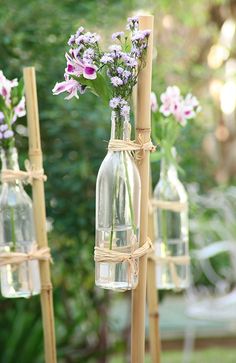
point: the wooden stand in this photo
(152, 296)
(143, 128)
(35, 155)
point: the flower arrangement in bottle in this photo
(16, 212)
(170, 198)
(111, 75)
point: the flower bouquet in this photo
(170, 198)
(16, 213)
(111, 75)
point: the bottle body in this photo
(171, 230)
(118, 191)
(17, 235)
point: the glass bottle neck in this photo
(168, 170)
(9, 159)
(120, 126)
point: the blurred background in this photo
(194, 48)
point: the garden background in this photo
(73, 134)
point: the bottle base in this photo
(116, 286)
(19, 294)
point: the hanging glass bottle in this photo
(118, 211)
(17, 234)
(171, 228)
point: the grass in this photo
(213, 355)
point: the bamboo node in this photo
(27, 177)
(46, 287)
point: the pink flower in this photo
(169, 100)
(77, 67)
(70, 86)
(19, 110)
(6, 86)
(154, 105)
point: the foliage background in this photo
(35, 33)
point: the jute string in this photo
(172, 262)
(129, 145)
(11, 258)
(168, 205)
(27, 176)
(117, 255)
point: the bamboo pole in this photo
(143, 128)
(152, 295)
(35, 155)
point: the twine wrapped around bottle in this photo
(9, 175)
(119, 255)
(139, 147)
(172, 262)
(174, 206)
(13, 258)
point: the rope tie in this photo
(11, 258)
(139, 147)
(172, 262)
(174, 206)
(27, 177)
(102, 254)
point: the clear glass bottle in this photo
(118, 191)
(171, 227)
(17, 234)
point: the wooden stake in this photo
(143, 125)
(35, 155)
(152, 295)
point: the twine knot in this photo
(27, 177)
(13, 258)
(172, 262)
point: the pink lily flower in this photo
(69, 85)
(19, 110)
(169, 100)
(6, 86)
(77, 67)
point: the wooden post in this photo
(152, 296)
(143, 128)
(35, 155)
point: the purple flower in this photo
(88, 55)
(125, 110)
(79, 31)
(8, 134)
(71, 40)
(120, 70)
(130, 61)
(117, 35)
(116, 81)
(154, 105)
(91, 38)
(115, 102)
(5, 133)
(106, 58)
(133, 23)
(115, 48)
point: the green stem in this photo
(129, 193)
(113, 208)
(164, 226)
